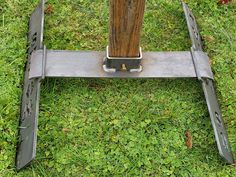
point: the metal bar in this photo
(216, 121)
(26, 148)
(89, 65)
(208, 88)
(193, 28)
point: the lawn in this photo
(102, 127)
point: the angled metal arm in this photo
(209, 90)
(26, 148)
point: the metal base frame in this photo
(48, 63)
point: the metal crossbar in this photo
(89, 65)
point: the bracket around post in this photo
(131, 64)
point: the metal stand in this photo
(49, 63)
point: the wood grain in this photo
(126, 19)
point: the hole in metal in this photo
(218, 118)
(191, 16)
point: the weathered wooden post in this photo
(126, 19)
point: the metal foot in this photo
(26, 149)
(209, 90)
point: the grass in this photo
(119, 127)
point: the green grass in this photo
(119, 127)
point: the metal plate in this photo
(216, 121)
(26, 149)
(201, 64)
(208, 87)
(89, 65)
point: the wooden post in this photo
(126, 19)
